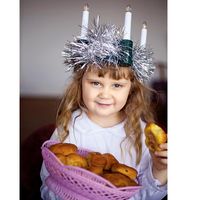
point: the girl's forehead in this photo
(112, 73)
(96, 75)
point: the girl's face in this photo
(104, 97)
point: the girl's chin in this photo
(101, 112)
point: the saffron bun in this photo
(125, 170)
(110, 160)
(98, 160)
(63, 148)
(90, 155)
(119, 180)
(105, 160)
(74, 159)
(155, 136)
(61, 157)
(96, 170)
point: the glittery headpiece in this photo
(104, 44)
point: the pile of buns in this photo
(104, 165)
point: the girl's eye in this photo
(116, 85)
(95, 83)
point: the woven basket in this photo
(75, 183)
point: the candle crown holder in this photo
(105, 45)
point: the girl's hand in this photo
(159, 159)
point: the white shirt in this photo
(84, 133)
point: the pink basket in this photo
(75, 183)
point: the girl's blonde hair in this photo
(136, 108)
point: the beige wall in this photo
(46, 25)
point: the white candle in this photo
(85, 19)
(127, 23)
(143, 35)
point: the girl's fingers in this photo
(163, 161)
(161, 154)
(163, 146)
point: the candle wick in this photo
(145, 24)
(128, 8)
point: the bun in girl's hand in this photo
(155, 136)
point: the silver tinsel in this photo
(143, 62)
(103, 46)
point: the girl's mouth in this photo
(104, 104)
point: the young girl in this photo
(105, 109)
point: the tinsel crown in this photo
(105, 45)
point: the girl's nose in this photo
(105, 93)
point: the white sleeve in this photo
(47, 194)
(152, 189)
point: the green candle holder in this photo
(127, 46)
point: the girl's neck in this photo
(107, 122)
